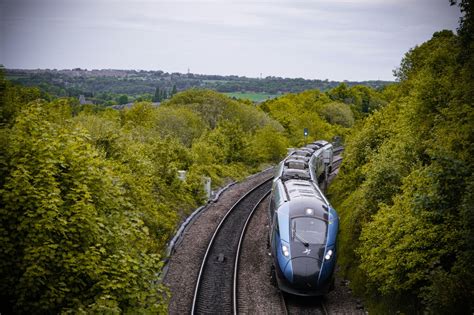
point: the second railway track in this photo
(215, 289)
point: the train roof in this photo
(296, 168)
(302, 188)
(296, 163)
(313, 146)
(321, 143)
(299, 158)
(302, 152)
(293, 173)
(304, 199)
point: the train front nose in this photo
(305, 272)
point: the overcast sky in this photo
(312, 39)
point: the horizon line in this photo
(182, 73)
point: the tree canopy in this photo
(405, 189)
(90, 197)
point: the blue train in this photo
(303, 225)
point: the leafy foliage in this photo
(338, 113)
(405, 184)
(73, 237)
(90, 197)
(225, 134)
(324, 114)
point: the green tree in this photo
(407, 175)
(341, 93)
(268, 145)
(141, 114)
(180, 123)
(174, 90)
(122, 99)
(13, 99)
(338, 113)
(73, 241)
(214, 107)
(304, 110)
(157, 96)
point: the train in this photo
(303, 224)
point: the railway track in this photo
(297, 305)
(338, 150)
(216, 286)
(336, 162)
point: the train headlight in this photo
(328, 254)
(285, 250)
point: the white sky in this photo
(312, 39)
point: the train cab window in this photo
(309, 230)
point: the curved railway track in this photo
(338, 150)
(336, 162)
(237, 256)
(216, 286)
(216, 289)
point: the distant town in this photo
(115, 87)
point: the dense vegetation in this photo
(252, 96)
(89, 199)
(90, 196)
(325, 115)
(405, 189)
(106, 87)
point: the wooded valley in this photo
(90, 195)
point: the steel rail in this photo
(211, 242)
(285, 304)
(336, 163)
(338, 150)
(237, 254)
(325, 310)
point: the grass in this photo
(254, 97)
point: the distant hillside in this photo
(134, 83)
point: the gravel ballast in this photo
(185, 262)
(256, 295)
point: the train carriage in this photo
(303, 227)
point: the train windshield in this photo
(309, 230)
